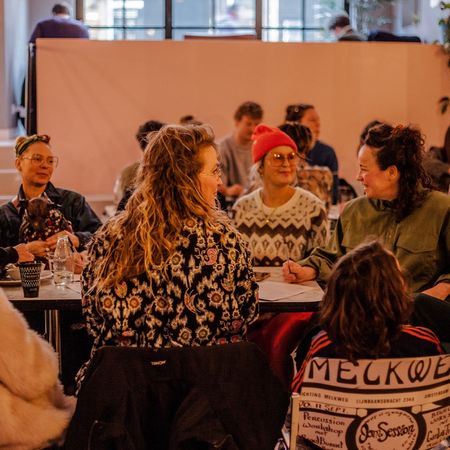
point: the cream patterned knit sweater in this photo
(289, 231)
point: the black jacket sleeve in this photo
(8, 255)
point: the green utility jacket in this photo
(421, 241)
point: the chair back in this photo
(401, 403)
(221, 396)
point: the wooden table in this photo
(53, 299)
(308, 301)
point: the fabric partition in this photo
(93, 95)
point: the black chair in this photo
(221, 397)
(385, 36)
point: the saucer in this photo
(45, 275)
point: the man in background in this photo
(340, 26)
(124, 185)
(235, 149)
(60, 25)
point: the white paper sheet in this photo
(275, 290)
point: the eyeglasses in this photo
(277, 159)
(38, 160)
(217, 172)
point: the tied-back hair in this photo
(23, 142)
(167, 195)
(145, 129)
(366, 302)
(295, 113)
(402, 147)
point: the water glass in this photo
(62, 270)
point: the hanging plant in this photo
(364, 15)
(444, 102)
(445, 25)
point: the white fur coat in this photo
(33, 409)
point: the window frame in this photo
(169, 28)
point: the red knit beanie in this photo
(266, 138)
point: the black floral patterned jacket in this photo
(204, 294)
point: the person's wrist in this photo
(312, 272)
(75, 240)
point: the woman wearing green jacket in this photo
(399, 208)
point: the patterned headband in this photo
(22, 143)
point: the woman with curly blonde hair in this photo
(170, 270)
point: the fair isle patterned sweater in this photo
(289, 231)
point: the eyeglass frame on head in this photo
(37, 160)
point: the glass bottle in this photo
(63, 263)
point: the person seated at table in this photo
(279, 221)
(321, 154)
(34, 410)
(399, 208)
(235, 150)
(437, 164)
(36, 162)
(11, 255)
(367, 284)
(170, 270)
(315, 179)
(124, 185)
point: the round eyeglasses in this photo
(38, 160)
(277, 159)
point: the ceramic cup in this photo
(30, 275)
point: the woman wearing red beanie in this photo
(281, 222)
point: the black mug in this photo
(30, 275)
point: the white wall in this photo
(427, 27)
(17, 20)
(12, 60)
(4, 122)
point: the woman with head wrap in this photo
(36, 162)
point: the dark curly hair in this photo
(365, 131)
(447, 146)
(143, 131)
(366, 302)
(300, 134)
(402, 147)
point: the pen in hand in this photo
(288, 246)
